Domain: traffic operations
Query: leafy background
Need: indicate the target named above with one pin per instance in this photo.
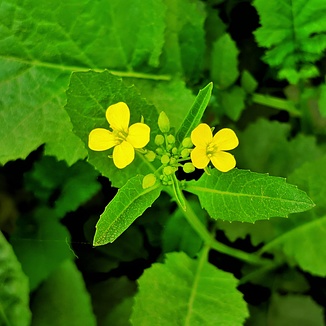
(267, 64)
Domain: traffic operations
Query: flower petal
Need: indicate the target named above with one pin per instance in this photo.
(199, 158)
(118, 116)
(100, 139)
(123, 155)
(226, 139)
(138, 135)
(202, 135)
(223, 161)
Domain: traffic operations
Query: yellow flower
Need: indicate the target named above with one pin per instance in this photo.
(209, 148)
(123, 138)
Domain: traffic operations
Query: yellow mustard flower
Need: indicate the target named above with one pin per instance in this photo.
(123, 138)
(209, 148)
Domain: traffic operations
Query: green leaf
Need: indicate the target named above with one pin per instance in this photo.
(224, 66)
(245, 196)
(42, 43)
(184, 46)
(195, 113)
(322, 100)
(129, 203)
(294, 33)
(248, 82)
(41, 241)
(185, 291)
(88, 97)
(14, 294)
(63, 299)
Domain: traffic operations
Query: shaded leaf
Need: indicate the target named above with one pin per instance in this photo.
(14, 291)
(240, 195)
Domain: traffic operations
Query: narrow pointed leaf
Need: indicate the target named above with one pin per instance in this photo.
(195, 113)
(246, 196)
(129, 203)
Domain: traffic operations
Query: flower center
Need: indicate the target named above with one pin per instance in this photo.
(211, 149)
(120, 135)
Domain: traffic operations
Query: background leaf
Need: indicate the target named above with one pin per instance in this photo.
(88, 97)
(63, 299)
(14, 292)
(128, 204)
(246, 196)
(187, 292)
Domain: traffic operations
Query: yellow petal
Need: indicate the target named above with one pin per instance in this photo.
(223, 161)
(199, 158)
(138, 135)
(202, 135)
(123, 155)
(118, 116)
(226, 139)
(100, 139)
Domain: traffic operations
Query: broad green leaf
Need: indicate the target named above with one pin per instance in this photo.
(248, 82)
(14, 291)
(113, 300)
(172, 97)
(43, 42)
(294, 33)
(88, 97)
(195, 113)
(185, 291)
(224, 66)
(41, 243)
(232, 101)
(128, 204)
(307, 230)
(184, 45)
(266, 147)
(322, 100)
(240, 195)
(63, 299)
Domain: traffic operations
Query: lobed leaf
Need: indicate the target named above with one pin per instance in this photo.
(129, 203)
(14, 291)
(245, 196)
(185, 291)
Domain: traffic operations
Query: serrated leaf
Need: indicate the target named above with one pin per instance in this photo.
(128, 204)
(224, 66)
(67, 300)
(185, 291)
(88, 97)
(42, 43)
(245, 196)
(41, 244)
(294, 33)
(14, 290)
(195, 113)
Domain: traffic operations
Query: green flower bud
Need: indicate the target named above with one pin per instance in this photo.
(164, 122)
(150, 156)
(174, 150)
(165, 159)
(173, 161)
(187, 142)
(168, 170)
(159, 140)
(159, 151)
(185, 153)
(170, 139)
(188, 167)
(148, 181)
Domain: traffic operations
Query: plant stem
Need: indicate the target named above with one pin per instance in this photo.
(193, 220)
(276, 103)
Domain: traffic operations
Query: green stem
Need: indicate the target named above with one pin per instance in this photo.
(193, 220)
(276, 103)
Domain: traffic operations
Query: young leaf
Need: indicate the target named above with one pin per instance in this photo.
(195, 113)
(88, 97)
(66, 297)
(129, 203)
(185, 291)
(14, 294)
(245, 196)
(224, 67)
(294, 33)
